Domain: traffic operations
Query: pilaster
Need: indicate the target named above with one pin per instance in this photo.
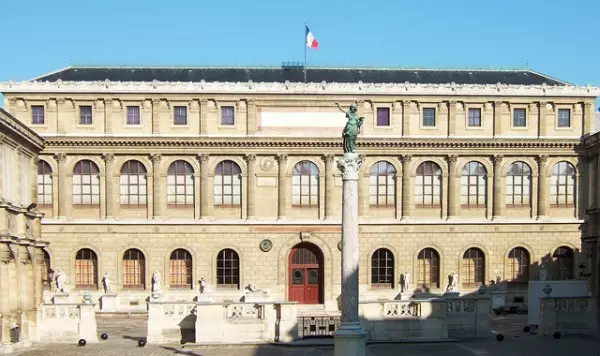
(407, 191)
(588, 118)
(251, 200)
(363, 191)
(156, 108)
(407, 106)
(498, 202)
(112, 197)
(282, 185)
(452, 119)
(63, 198)
(251, 125)
(453, 188)
(109, 105)
(157, 198)
(396, 117)
(543, 129)
(498, 108)
(205, 192)
(542, 186)
(329, 186)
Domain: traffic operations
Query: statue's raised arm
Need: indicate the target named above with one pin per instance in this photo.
(339, 107)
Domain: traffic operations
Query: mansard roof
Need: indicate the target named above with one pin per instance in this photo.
(296, 75)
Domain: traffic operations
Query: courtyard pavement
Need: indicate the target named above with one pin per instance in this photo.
(124, 333)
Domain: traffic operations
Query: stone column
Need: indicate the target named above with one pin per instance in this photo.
(251, 189)
(542, 186)
(407, 192)
(282, 186)
(498, 196)
(350, 338)
(157, 199)
(64, 187)
(329, 187)
(205, 184)
(453, 187)
(112, 194)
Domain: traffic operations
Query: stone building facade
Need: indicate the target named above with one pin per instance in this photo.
(230, 175)
(21, 248)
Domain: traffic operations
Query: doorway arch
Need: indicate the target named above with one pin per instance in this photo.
(306, 277)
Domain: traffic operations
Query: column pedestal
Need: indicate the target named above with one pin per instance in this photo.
(109, 303)
(350, 338)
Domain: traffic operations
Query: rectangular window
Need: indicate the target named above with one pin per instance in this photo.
(475, 117)
(85, 115)
(429, 117)
(133, 115)
(519, 119)
(180, 115)
(383, 116)
(227, 115)
(564, 118)
(37, 114)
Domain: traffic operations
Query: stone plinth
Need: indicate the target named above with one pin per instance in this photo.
(109, 303)
(260, 296)
(350, 337)
(60, 298)
(204, 298)
(87, 323)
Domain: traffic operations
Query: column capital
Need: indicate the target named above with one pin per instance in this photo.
(498, 104)
(497, 159)
(60, 157)
(250, 158)
(328, 158)
(452, 158)
(281, 158)
(405, 158)
(349, 167)
(155, 157)
(108, 157)
(5, 253)
(202, 158)
(541, 159)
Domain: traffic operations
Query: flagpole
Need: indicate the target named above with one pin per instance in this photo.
(304, 41)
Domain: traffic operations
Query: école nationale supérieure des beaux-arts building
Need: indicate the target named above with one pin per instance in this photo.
(229, 174)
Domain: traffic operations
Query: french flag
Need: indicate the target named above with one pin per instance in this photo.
(311, 41)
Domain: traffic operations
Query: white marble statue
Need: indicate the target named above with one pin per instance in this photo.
(61, 281)
(452, 282)
(156, 282)
(106, 283)
(405, 282)
(203, 286)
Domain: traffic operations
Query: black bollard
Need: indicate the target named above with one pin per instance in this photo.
(526, 329)
(500, 337)
(142, 343)
(104, 336)
(81, 342)
(556, 335)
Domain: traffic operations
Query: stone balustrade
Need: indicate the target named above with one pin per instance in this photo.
(468, 317)
(67, 322)
(171, 322)
(567, 315)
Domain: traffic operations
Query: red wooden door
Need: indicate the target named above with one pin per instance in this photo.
(305, 274)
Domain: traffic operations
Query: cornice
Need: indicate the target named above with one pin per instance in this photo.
(452, 89)
(298, 142)
(17, 128)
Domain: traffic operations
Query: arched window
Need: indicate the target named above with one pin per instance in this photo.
(228, 185)
(562, 191)
(518, 265)
(563, 257)
(382, 184)
(180, 269)
(228, 269)
(473, 268)
(46, 268)
(44, 184)
(518, 185)
(86, 184)
(382, 269)
(86, 269)
(428, 184)
(134, 269)
(180, 185)
(473, 185)
(133, 184)
(428, 265)
(305, 184)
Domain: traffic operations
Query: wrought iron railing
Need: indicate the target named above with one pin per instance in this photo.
(317, 326)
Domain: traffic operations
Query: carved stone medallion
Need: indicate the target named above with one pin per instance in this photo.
(266, 164)
(266, 245)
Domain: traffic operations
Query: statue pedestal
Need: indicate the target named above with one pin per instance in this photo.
(109, 303)
(403, 296)
(350, 340)
(204, 298)
(60, 298)
(87, 323)
(257, 297)
(451, 295)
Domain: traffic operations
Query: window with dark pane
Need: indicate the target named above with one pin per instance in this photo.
(473, 185)
(563, 259)
(86, 269)
(428, 269)
(180, 115)
(562, 189)
(475, 117)
(518, 185)
(383, 116)
(228, 185)
(473, 268)
(428, 185)
(44, 184)
(86, 184)
(518, 265)
(228, 269)
(429, 117)
(564, 118)
(305, 185)
(134, 269)
(133, 115)
(180, 269)
(46, 268)
(85, 115)
(382, 185)
(382, 269)
(37, 114)
(519, 118)
(227, 115)
(133, 185)
(180, 185)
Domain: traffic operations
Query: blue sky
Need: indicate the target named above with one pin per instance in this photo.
(554, 37)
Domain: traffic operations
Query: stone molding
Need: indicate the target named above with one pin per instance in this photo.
(361, 89)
